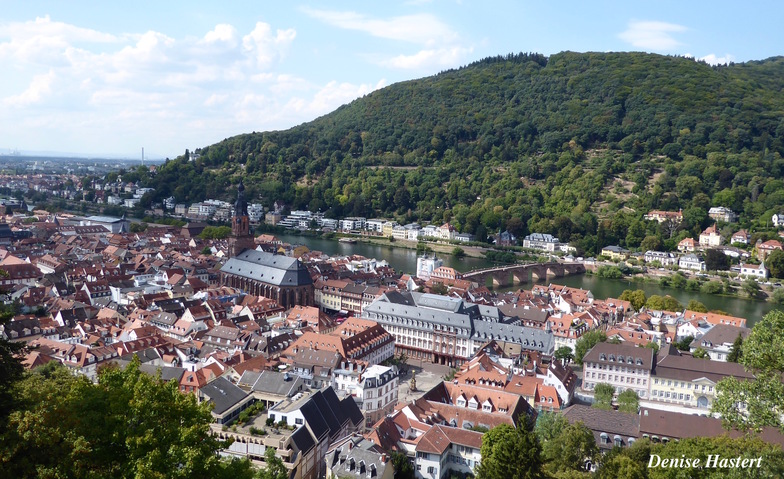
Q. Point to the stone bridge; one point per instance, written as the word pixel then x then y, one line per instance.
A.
pixel 522 273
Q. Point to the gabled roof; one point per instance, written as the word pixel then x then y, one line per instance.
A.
pixel 223 394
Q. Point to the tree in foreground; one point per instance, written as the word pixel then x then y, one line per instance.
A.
pixel 129 425
pixel 403 468
pixel 564 354
pixel 603 396
pixel 274 469
pixel 628 401
pixel 762 353
pixel 586 342
pixel 11 369
pixel 569 451
pixel 635 297
pixel 510 453
pixel 736 351
pixel 663 303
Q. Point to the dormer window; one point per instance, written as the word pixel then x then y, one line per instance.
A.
pixel 639 362
pixel 603 357
pixel 612 357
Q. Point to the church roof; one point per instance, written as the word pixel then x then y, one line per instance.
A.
pixel 268 268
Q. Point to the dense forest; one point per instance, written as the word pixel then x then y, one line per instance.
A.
pixel 579 145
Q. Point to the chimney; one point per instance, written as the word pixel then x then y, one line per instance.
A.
pixel 383 459
pixel 350 445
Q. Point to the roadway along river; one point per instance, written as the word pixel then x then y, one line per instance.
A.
pixel 404 260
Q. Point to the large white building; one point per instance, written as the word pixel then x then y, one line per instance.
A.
pixel 448 330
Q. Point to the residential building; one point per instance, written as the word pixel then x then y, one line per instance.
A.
pixel 352 223
pixel 718 341
pixel 541 241
pixel 227 399
pixel 620 365
pixel 426 265
pixel 442 451
pixel 665 259
pixel 692 262
pixel 664 216
pixel 758 271
pixel 610 428
pixel 741 237
pixel 615 252
pixel 505 238
pixel 777 220
pixel 356 339
pixel 374 388
pixel 358 458
pixel 721 213
pixel 765 248
pixel 710 237
pixel 687 245
pixel 688 381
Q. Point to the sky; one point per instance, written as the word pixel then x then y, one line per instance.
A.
pixel 110 78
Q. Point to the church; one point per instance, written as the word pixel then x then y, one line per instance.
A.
pixel 284 279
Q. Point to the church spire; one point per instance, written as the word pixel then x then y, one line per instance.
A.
pixel 241 206
pixel 241 235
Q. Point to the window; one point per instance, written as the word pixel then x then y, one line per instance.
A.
pixel 298 421
pixel 431 470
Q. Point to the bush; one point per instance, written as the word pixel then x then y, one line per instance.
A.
pixel 778 296
pixel 609 272
pixel 712 287
pixel 270 421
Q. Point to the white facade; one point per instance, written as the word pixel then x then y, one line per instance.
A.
pixel 426 265
pixel 375 389
pixel 666 259
pixel 754 270
pixel 255 212
pixel 540 241
pixel 691 262
pixel 352 223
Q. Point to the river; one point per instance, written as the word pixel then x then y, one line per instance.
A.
pixel 404 260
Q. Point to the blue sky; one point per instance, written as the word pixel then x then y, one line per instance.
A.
pixel 101 78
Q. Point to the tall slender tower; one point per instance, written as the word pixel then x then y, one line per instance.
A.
pixel 241 237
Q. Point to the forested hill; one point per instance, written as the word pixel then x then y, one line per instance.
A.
pixel 576 136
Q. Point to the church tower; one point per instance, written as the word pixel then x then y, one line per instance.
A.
pixel 241 237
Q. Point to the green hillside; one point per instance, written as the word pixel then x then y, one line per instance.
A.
pixel 578 144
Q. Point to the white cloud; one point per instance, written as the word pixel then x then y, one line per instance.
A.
pixel 443 57
pixel 223 33
pixel 712 59
pixel 265 48
pixel 76 89
pixel 420 28
pixel 40 87
pixel 651 35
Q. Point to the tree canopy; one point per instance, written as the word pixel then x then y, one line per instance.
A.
pixel 586 342
pixel 762 353
pixel 129 425
pixel 511 453
pixel 579 145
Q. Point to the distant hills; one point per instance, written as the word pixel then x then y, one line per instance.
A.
pixel 565 144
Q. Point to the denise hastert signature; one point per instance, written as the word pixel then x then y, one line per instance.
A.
pixel 713 461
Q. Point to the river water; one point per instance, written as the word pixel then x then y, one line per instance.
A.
pixel 404 260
